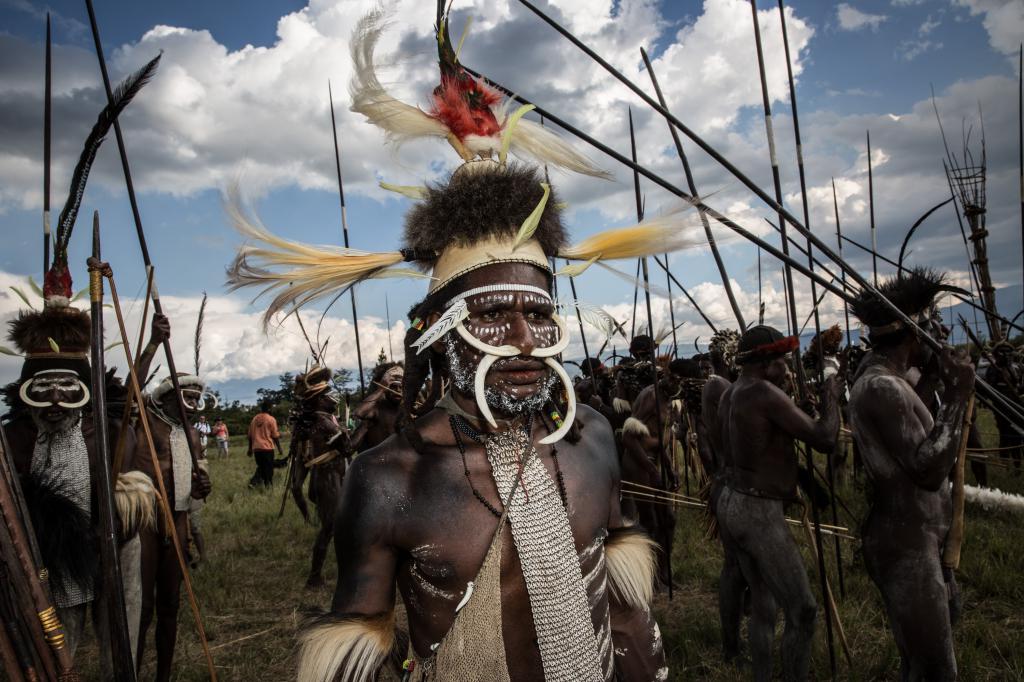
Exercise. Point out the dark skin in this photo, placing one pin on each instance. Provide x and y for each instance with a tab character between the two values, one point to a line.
643	460
731	584
908	455
759	424
408	519
378	413
161	573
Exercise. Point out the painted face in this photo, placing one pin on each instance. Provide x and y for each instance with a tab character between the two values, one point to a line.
521	319
55	398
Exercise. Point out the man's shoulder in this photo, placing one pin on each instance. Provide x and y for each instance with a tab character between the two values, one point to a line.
389	462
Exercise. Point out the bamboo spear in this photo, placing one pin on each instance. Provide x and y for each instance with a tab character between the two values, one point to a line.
650	327
140	233
344	230
693	190
839	243
810	263
163	501
113	586
871	213
794	323
47	128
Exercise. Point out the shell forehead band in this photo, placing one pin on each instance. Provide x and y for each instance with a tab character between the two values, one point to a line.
493	288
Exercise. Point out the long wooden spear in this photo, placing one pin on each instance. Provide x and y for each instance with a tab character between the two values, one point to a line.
47	128
344	230
140	232
163	500
113	586
810	263
839	243
794	324
1020	144
653	334
871	213
675	190
693	190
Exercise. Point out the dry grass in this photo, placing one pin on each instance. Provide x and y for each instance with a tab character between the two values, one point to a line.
252	596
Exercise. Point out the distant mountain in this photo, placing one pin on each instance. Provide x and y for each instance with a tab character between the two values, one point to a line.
244	390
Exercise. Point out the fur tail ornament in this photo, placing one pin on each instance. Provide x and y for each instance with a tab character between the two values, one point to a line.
351	649
135	500
631	562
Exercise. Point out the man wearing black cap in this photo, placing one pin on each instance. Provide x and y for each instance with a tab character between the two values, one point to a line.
759	423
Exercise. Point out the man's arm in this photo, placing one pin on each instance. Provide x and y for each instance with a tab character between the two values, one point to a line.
159	331
926	458
636	638
252	425
822	434
367	560
355	639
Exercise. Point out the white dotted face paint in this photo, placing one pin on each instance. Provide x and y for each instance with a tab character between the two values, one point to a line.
508	399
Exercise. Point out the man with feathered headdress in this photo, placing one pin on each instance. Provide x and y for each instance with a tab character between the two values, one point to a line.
759	424
319	447
495	508
51	426
908	454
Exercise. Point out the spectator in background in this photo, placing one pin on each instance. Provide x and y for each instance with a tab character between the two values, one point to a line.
202	427
220	432
263	438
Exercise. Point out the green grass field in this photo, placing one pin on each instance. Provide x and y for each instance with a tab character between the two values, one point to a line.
252	596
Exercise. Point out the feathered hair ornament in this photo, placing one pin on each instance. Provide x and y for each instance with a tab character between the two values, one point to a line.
464	110
57	282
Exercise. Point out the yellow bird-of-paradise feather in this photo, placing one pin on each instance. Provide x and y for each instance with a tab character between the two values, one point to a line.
529	225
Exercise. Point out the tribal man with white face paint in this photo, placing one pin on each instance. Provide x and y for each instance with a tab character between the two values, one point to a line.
494	510
50	429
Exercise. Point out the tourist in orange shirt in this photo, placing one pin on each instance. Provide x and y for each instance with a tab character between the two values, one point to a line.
263	438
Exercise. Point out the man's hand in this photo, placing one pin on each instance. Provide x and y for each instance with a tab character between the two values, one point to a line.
957	372
201	486
160	329
248	452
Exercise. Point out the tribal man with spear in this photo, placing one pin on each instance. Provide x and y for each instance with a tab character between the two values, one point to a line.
908	454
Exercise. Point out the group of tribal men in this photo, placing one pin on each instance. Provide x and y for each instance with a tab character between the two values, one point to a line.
734	408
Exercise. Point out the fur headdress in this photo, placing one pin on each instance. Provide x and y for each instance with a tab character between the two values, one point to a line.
723	344
913	293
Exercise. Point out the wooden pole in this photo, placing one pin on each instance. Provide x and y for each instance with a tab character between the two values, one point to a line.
693	190
47	131
955	538
164	500
344	230
112	592
794	324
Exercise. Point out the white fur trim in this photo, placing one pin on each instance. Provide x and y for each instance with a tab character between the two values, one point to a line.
135	500
347	649
635	427
993	499
621	406
629	555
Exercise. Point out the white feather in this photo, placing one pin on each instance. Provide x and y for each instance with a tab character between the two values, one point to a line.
454	315
369	98
534	140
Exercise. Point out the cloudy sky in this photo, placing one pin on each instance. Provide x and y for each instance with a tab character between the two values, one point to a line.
242	95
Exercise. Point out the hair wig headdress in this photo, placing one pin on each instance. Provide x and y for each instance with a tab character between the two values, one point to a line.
913	292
